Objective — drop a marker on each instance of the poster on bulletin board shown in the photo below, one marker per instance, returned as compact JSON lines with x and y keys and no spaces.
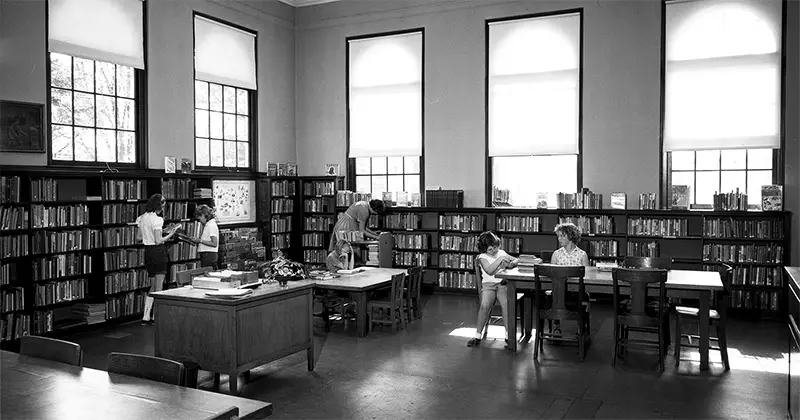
{"x":235,"y":201}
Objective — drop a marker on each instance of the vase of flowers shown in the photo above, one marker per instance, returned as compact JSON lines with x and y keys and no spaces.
{"x":282,"y":269}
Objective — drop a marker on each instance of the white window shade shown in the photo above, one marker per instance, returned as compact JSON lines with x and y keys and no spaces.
{"x":385,"y":96}
{"x":534,"y":86}
{"x":722,"y":87}
{"x":224,"y":54}
{"x":103,"y":30}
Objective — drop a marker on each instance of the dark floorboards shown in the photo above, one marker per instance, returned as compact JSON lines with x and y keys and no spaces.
{"x":427,"y":372}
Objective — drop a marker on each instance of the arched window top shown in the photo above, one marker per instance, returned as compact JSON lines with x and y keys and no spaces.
{"x":534,"y":45}
{"x":713,"y":29}
{"x":386,"y":61}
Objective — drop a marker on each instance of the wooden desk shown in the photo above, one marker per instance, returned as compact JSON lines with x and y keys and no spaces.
{"x":41,"y":389}
{"x":233,"y":336}
{"x":359,"y":285}
{"x":680,"y":283}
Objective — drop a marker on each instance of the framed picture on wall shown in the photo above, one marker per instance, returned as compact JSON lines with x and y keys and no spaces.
{"x":21,"y":127}
{"x":235,"y":201}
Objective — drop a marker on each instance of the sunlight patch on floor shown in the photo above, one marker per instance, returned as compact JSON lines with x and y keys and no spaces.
{"x":741,"y":361}
{"x":497,"y":332}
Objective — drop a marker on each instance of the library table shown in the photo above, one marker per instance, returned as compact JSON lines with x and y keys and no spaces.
{"x":359,"y":285}
{"x":234,"y":335}
{"x":680,"y":283}
{"x":35,"y":388}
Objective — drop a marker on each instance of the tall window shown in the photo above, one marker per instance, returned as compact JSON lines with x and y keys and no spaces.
{"x":95,"y":61}
{"x":224,"y":94}
{"x":534,"y":105}
{"x":385,"y":113}
{"x":722,"y":96}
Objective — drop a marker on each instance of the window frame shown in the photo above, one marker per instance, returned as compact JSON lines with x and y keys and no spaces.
{"x":140,"y":105}
{"x":488,"y":159}
{"x":351,"y":162}
{"x":252,"y":106}
{"x":665,"y":160}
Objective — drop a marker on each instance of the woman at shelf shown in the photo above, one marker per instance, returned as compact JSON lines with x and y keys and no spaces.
{"x":355,"y":218}
{"x":156,"y":258}
{"x":208,"y":242}
{"x":569,"y":236}
{"x":341,"y":258}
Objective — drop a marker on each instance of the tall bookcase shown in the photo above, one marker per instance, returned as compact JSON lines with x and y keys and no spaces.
{"x":318,"y":209}
{"x":278,"y":214}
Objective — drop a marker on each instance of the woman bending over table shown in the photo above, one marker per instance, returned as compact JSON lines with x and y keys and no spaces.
{"x":355,"y":218}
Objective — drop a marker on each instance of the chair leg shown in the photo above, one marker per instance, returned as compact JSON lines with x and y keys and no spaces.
{"x":677,"y":340}
{"x":581,"y":337}
{"x":661,"y":342}
{"x":615,"y":346}
{"x":722,"y":337}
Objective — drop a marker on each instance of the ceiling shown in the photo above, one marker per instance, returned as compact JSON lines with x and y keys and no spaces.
{"x":301,"y":3}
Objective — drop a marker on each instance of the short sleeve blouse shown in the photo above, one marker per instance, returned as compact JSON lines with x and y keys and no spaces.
{"x":564,"y":257}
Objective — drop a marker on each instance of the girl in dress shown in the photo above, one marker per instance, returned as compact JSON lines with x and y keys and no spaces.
{"x":156,"y":258}
{"x":355,"y":218}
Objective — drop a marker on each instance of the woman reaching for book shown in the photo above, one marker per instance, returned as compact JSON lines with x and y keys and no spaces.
{"x":156,"y":258}
{"x":355,"y":218}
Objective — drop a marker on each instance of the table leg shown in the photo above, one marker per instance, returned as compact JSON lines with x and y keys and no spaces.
{"x":511,"y":297}
{"x":233,"y":381}
{"x":361,"y":313}
{"x":311,"y":358}
{"x":704,"y":322}
{"x":527,"y":317}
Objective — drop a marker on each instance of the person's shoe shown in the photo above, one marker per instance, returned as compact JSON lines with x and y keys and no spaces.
{"x":474,"y":342}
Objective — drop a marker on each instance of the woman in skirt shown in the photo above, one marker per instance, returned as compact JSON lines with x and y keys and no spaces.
{"x":208,"y":242}
{"x":355,"y":218}
{"x":156,"y":258}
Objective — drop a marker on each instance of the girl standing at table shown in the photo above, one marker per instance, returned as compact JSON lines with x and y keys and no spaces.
{"x":355,"y":218}
{"x":156,"y":258}
{"x":569,"y":254}
{"x":341,"y":258}
{"x":491,"y":260}
{"x":208,"y":243}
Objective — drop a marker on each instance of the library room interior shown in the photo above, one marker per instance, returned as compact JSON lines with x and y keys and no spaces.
{"x":400,"y":209}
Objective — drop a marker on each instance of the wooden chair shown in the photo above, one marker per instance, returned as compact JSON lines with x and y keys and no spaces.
{"x":231,"y":413}
{"x":412,"y":294}
{"x":393,"y":306}
{"x":647,"y":262}
{"x":717,"y":317}
{"x":637,"y":316}
{"x":560,"y":307}
{"x":51,"y":349}
{"x":546,"y":255}
{"x":147,"y":367}
{"x":332,"y":303}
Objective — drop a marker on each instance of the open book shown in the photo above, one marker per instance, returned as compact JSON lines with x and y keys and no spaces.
{"x":171,"y":228}
{"x":353,"y":271}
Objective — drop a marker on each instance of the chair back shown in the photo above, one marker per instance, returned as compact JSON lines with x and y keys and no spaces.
{"x":558,"y":275}
{"x":639,"y":279}
{"x":723,"y":298}
{"x":414,"y":282}
{"x":147,"y":367}
{"x":647,"y":262}
{"x":231,"y":413}
{"x":398,"y":285}
{"x":546,"y":255}
{"x":51,"y":349}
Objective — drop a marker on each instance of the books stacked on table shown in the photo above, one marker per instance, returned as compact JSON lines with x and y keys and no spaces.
{"x":525,"y":263}
{"x":606,"y":265}
{"x":372,"y":255}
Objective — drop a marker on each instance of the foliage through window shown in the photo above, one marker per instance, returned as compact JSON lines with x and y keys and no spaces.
{"x":222,"y":125}
{"x":93,"y":108}
{"x":382,"y":174}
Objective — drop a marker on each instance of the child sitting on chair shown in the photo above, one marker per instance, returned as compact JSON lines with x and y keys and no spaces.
{"x":569,"y":254}
{"x":341,"y":258}
{"x":491,"y":260}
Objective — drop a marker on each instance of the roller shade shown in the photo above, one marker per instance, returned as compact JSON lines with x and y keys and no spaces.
{"x":224,"y":54}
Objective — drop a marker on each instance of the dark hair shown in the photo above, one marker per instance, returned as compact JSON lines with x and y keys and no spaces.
{"x":572,"y":232}
{"x":487,"y":239}
{"x":204,"y":210}
{"x":377,"y":206}
{"x":154,"y":204}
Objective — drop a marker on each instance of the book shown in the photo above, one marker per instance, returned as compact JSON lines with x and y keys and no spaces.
{"x":332,"y":169}
{"x":542,"y":200}
{"x":170,"y":163}
{"x":402,"y":198}
{"x":416,"y":200}
{"x":353,"y":271}
{"x":772,"y":197}
{"x":282,"y":168}
{"x":680,"y":197}
{"x":186,"y":165}
{"x":619,"y":200}
{"x":272,"y":169}
{"x":291,"y":169}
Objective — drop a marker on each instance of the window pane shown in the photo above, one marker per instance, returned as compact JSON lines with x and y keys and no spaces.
{"x":83,"y":71}
{"x":734,"y":159}
{"x":395,"y":183}
{"x":105,"y":78}
{"x":755,"y":179}
{"x":412,"y":184}
{"x":707,"y":184}
{"x":242,"y":155}
{"x":685,"y":178}
{"x":378,"y":186}
{"x":412,"y":164}
{"x":126,"y":114}
{"x":60,"y":70}
{"x":61,"y":106}
{"x":708,"y":159}
{"x":242,"y":129}
{"x":200,"y":94}
{"x":395,"y":165}
{"x":229,"y":97}
{"x":84,"y":109}
{"x":126,"y":145}
{"x":201,"y":123}
{"x":106,"y":112}
{"x":363,"y":184}
{"x":230,"y":153}
{"x":84,"y":144}
{"x":216,"y":125}
{"x":525,"y":176}
{"x":759,"y":159}
{"x":378,"y":166}
{"x":731,"y":180}
{"x":241,"y":102}
{"x":62,"y":142}
{"x":201,"y":151}
{"x":125,"y":82}
{"x":229,"y":126}
{"x":106,"y":146}
{"x":683,"y":160}
{"x":362,"y":166}
{"x":216,"y":153}
{"x":215,"y":97}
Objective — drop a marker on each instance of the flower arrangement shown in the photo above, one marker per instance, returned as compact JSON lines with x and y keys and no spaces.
{"x":283,"y":269}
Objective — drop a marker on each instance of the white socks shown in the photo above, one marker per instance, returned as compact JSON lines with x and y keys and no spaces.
{"x":148,"y":307}
{"x":479,"y":335}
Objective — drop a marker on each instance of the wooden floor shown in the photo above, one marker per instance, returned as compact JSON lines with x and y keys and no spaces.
{"x":428,"y":372}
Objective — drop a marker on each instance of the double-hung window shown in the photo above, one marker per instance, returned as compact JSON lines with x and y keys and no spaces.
{"x":224,"y":94}
{"x":533,"y":109}
{"x":96,"y":76}
{"x":722,"y":97}
{"x":385,"y":113}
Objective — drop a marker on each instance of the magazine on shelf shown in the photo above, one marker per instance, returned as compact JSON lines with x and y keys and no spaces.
{"x":680,"y":197}
{"x":772,"y":197}
{"x":619,"y":200}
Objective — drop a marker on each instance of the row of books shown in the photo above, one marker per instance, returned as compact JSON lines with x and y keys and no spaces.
{"x":591,"y":224}
{"x":757,"y":276}
{"x":8,"y":273}
{"x":315,"y":255}
{"x":181,"y":251}
{"x":13,"y":246}
{"x":317,"y":205}
{"x":124,"y":281}
{"x":319,"y":188}
{"x":456,"y":280}
{"x":749,"y":228}
{"x":606,"y":248}
{"x":519,"y":224}
{"x":13,"y":299}
{"x":345,"y":198}
{"x":444,"y":198}
{"x":401,"y":221}
{"x":409,"y":240}
{"x":585,"y":199}
{"x":464,"y":223}
{"x":130,"y":189}
{"x":13,"y":218}
{"x":60,"y":291}
{"x":741,"y":253}
{"x":176,"y":210}
{"x":282,"y":241}
{"x":732,"y":201}
{"x":314,"y":239}
{"x":123,"y":258}
{"x":119,"y":236}
{"x":409,"y":258}
{"x":511,"y":245}
{"x":642,"y":249}
{"x":45,"y":189}
{"x":45,"y":242}
{"x":318,"y":223}
{"x":762,"y":300}
{"x":283,"y":188}
{"x":59,"y":216}
{"x":14,"y":326}
{"x":465,"y":261}
{"x":458,"y":243}
{"x":349,"y":235}
{"x":176,"y":188}
{"x":122,"y":212}
{"x":174,"y":269}
{"x":203,"y":193}
{"x":281,"y":205}
{"x":10,"y":187}
{"x":124,"y":305}
{"x":657,"y":227}
{"x":279,"y":224}
{"x":61,"y":266}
